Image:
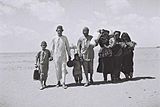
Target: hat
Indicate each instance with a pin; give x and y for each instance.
(59, 27)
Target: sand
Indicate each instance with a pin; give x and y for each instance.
(19, 90)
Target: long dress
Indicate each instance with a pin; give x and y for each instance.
(117, 60)
(105, 58)
(60, 50)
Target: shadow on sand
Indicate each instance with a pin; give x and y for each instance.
(110, 82)
(50, 86)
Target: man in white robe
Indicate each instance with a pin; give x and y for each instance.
(60, 50)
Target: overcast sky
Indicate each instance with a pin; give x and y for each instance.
(25, 23)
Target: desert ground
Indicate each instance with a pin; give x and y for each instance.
(18, 89)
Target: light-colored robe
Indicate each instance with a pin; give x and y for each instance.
(60, 51)
(85, 48)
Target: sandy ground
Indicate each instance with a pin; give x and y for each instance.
(19, 90)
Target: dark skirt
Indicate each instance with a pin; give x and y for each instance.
(127, 63)
(107, 65)
(117, 63)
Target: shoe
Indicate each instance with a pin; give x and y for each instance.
(86, 84)
(64, 86)
(131, 75)
(91, 81)
(42, 88)
(58, 84)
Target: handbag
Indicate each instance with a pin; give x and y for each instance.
(36, 74)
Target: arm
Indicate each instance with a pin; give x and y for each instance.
(37, 59)
(79, 47)
(49, 55)
(53, 47)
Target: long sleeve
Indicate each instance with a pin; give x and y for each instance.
(67, 46)
(79, 46)
(37, 58)
(53, 47)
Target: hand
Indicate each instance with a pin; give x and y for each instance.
(51, 58)
(36, 66)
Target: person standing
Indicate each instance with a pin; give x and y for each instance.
(60, 50)
(42, 61)
(105, 54)
(86, 52)
(117, 56)
(127, 58)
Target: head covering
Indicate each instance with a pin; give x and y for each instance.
(125, 36)
(59, 27)
(119, 33)
(44, 43)
(86, 28)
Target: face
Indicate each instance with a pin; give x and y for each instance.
(117, 35)
(85, 32)
(59, 32)
(43, 46)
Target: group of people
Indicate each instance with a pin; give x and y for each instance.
(115, 56)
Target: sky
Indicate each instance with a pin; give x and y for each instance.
(25, 23)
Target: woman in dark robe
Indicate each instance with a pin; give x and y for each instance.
(105, 55)
(117, 56)
(127, 58)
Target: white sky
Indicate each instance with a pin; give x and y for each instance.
(25, 23)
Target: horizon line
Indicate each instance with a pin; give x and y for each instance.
(36, 51)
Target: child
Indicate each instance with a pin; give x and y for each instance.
(42, 61)
(77, 69)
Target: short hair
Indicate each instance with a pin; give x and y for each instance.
(59, 27)
(86, 28)
(44, 43)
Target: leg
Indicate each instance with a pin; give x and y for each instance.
(85, 67)
(105, 76)
(58, 69)
(80, 78)
(76, 78)
(64, 73)
(41, 81)
(91, 70)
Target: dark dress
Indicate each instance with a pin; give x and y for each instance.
(117, 60)
(127, 58)
(105, 58)
(127, 61)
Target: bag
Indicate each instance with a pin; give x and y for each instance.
(36, 74)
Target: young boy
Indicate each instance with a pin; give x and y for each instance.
(42, 61)
(77, 69)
